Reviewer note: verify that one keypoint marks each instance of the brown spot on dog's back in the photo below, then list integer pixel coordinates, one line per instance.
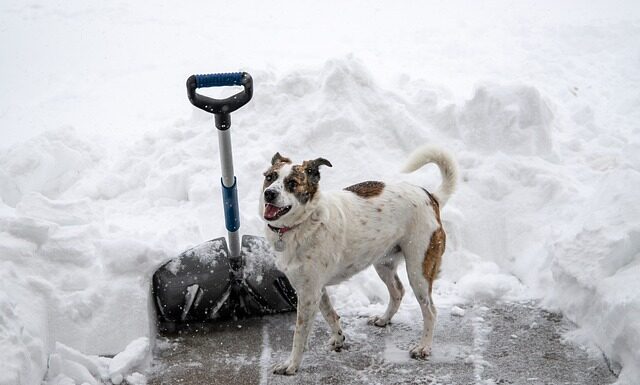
(367, 189)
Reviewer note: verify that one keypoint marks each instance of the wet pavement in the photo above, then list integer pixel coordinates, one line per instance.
(497, 344)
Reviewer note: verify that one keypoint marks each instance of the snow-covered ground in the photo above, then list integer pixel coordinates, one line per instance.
(106, 170)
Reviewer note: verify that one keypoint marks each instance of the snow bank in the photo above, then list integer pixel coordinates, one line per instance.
(84, 242)
(596, 266)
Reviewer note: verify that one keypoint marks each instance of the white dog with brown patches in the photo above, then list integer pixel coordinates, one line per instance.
(325, 238)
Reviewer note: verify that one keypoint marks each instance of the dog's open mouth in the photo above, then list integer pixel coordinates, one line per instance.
(271, 212)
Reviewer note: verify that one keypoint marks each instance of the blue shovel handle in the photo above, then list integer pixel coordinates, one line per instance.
(221, 108)
(219, 80)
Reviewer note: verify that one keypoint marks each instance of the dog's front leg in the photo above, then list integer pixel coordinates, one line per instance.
(308, 298)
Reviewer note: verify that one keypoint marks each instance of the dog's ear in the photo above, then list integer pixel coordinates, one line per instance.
(277, 158)
(312, 168)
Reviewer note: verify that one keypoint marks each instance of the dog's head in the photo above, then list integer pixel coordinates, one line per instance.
(289, 190)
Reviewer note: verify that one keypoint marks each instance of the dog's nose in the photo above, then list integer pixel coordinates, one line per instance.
(270, 195)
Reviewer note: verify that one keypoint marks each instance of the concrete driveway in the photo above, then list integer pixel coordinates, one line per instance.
(512, 343)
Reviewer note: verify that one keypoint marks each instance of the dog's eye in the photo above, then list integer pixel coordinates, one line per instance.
(270, 177)
(292, 184)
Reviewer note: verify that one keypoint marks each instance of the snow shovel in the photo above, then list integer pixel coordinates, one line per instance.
(221, 279)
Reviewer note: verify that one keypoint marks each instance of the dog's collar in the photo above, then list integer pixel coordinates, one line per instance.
(281, 230)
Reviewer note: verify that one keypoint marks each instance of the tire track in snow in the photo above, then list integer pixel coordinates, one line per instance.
(481, 330)
(265, 356)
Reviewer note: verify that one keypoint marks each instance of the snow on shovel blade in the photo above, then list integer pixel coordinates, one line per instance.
(193, 286)
(268, 289)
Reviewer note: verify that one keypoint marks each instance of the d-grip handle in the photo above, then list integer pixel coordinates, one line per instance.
(219, 80)
(220, 107)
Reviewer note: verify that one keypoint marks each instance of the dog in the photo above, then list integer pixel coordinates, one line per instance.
(322, 239)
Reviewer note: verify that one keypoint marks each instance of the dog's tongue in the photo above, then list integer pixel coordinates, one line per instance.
(270, 211)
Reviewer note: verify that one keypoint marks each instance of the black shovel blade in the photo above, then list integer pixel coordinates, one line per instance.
(267, 289)
(204, 284)
(193, 286)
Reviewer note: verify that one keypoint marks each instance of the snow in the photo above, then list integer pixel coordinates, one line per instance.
(136, 379)
(67, 364)
(106, 171)
(132, 357)
(265, 357)
(602, 291)
(457, 311)
(480, 337)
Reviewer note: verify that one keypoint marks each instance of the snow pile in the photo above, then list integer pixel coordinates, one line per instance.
(86, 239)
(596, 266)
(64, 279)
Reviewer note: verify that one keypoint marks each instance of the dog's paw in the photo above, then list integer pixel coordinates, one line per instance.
(285, 368)
(378, 321)
(336, 342)
(420, 352)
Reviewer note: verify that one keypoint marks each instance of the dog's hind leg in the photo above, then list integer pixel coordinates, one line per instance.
(422, 268)
(333, 319)
(387, 272)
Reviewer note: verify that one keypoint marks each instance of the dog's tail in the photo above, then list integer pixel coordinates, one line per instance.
(445, 162)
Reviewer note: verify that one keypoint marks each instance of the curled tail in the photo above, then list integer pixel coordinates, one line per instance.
(445, 162)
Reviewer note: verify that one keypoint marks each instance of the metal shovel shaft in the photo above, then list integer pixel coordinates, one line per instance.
(228, 183)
